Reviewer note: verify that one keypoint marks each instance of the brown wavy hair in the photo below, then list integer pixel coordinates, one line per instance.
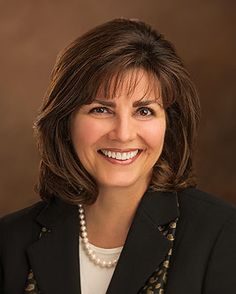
(103, 54)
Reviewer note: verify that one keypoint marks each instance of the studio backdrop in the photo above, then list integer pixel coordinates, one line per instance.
(33, 32)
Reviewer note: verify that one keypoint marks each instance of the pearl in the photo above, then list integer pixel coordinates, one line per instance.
(97, 260)
(103, 263)
(86, 246)
(84, 234)
(93, 256)
(90, 253)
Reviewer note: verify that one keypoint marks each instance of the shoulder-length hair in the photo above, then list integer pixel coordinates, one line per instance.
(103, 54)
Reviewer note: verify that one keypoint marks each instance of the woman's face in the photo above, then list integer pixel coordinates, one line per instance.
(119, 140)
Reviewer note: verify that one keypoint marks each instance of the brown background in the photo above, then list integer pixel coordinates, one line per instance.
(32, 33)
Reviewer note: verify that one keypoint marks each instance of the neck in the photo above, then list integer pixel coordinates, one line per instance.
(109, 218)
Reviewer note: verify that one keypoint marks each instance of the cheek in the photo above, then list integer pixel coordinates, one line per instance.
(86, 132)
(154, 134)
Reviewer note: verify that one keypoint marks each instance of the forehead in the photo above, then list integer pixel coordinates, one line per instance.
(132, 82)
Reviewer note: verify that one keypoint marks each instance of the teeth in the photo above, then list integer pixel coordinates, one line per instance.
(119, 155)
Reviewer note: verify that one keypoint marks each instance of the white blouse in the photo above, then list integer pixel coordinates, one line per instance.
(93, 278)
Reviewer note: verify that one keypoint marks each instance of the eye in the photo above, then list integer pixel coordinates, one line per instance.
(99, 110)
(146, 111)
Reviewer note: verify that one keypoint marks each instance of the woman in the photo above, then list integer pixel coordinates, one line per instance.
(119, 212)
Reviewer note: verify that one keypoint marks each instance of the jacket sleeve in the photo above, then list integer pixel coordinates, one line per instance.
(1, 267)
(1, 277)
(221, 272)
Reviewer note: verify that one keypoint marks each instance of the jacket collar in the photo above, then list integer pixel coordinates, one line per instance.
(55, 263)
(54, 257)
(145, 247)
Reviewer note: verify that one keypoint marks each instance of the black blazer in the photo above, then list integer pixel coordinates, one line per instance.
(203, 259)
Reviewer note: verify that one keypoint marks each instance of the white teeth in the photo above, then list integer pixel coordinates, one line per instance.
(124, 156)
(105, 152)
(119, 155)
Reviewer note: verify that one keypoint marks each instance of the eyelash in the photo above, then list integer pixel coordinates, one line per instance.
(93, 110)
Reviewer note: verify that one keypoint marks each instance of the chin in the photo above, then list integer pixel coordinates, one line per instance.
(121, 183)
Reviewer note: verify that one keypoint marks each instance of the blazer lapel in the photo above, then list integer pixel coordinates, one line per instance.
(54, 257)
(145, 247)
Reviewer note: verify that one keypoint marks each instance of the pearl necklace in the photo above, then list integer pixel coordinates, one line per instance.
(88, 250)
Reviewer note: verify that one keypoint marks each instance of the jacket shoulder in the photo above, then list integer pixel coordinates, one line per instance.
(203, 198)
(22, 216)
(18, 227)
(210, 236)
(210, 208)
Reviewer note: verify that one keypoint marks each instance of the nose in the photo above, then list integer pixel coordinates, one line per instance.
(124, 129)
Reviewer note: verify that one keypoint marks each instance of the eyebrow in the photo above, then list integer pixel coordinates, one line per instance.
(138, 103)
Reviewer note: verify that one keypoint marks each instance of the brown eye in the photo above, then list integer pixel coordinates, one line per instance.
(99, 110)
(145, 111)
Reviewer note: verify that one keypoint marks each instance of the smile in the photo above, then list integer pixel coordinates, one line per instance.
(120, 157)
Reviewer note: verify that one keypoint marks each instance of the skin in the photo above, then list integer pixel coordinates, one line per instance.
(122, 126)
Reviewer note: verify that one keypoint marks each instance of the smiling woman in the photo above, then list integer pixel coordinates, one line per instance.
(125, 133)
(120, 211)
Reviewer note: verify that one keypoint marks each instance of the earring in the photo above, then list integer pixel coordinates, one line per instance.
(80, 189)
